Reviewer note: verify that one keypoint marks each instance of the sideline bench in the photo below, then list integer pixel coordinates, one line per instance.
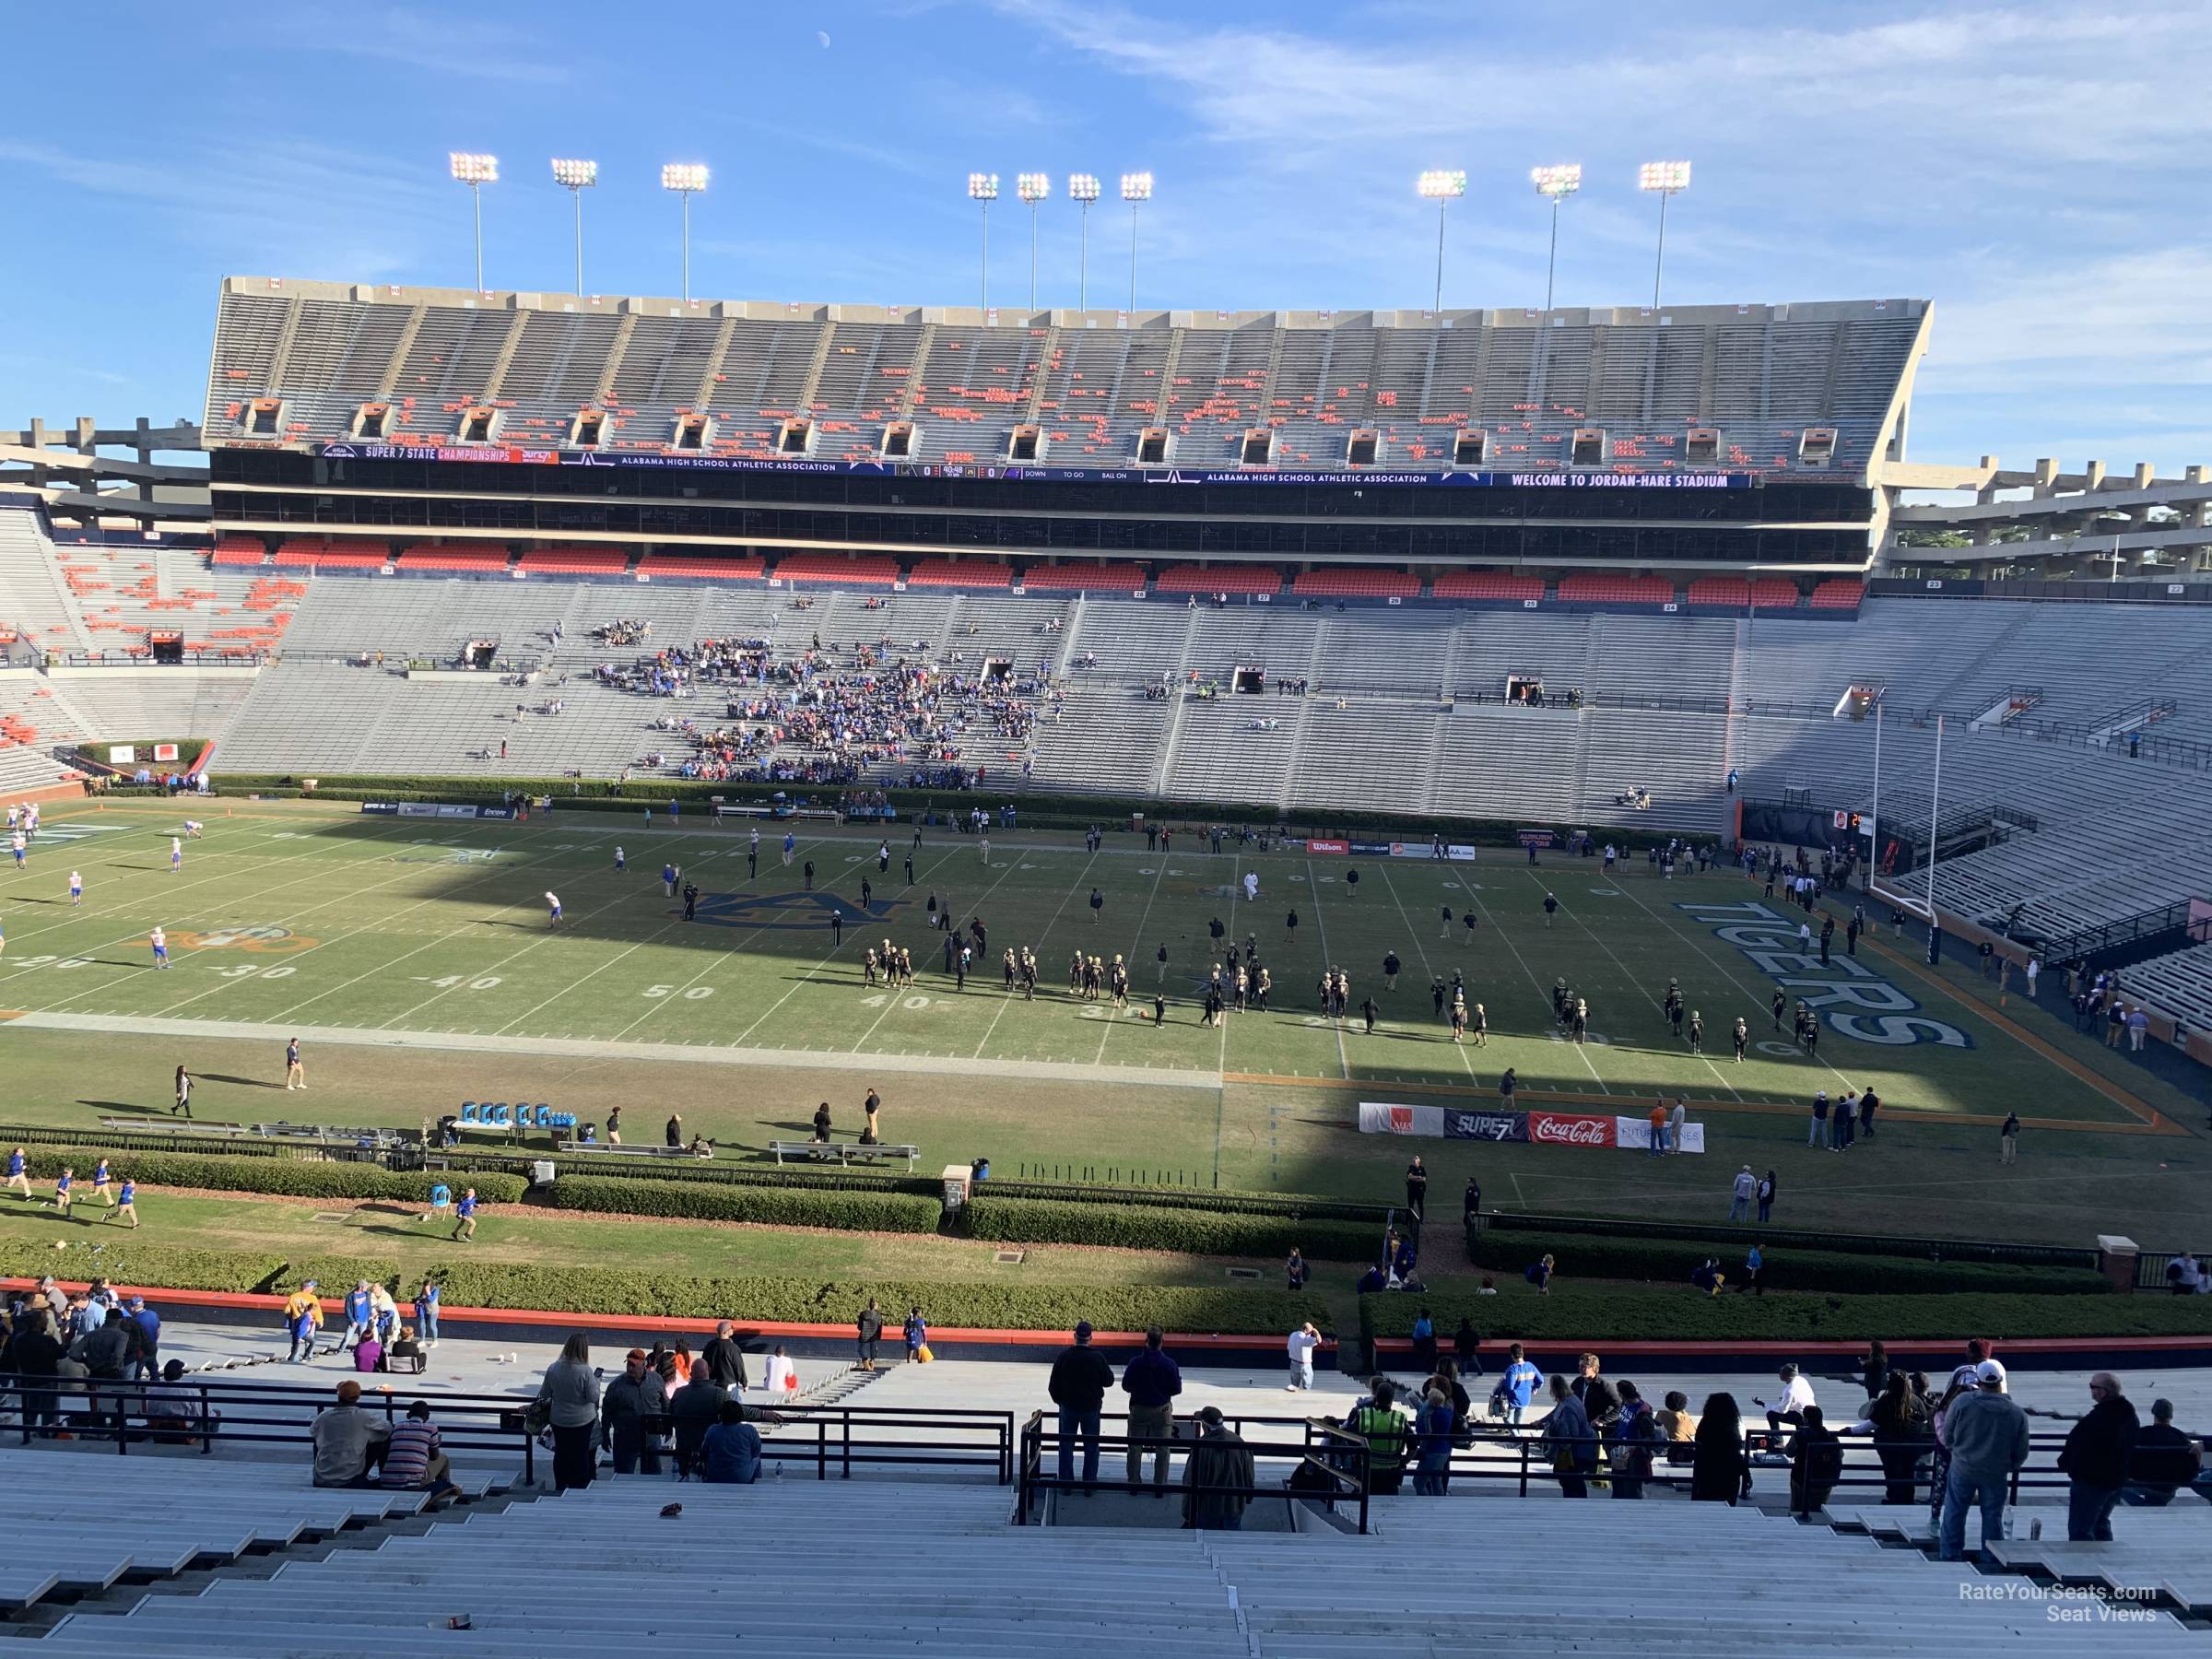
(608, 1149)
(844, 1152)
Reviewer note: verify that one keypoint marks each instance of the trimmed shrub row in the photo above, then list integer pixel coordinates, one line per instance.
(1598, 1316)
(1671, 1261)
(280, 1177)
(647, 1297)
(1189, 1233)
(779, 1206)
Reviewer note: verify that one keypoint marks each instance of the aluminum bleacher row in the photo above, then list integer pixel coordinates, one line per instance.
(576, 1573)
(306, 362)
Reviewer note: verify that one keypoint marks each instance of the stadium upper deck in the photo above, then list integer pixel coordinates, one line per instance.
(1732, 435)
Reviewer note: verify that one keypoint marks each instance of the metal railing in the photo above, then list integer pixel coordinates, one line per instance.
(845, 1435)
(1334, 1463)
(96, 1408)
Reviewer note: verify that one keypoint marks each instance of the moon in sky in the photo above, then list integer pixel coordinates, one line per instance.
(823, 38)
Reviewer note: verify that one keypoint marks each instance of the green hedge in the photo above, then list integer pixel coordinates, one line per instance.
(780, 1207)
(1598, 1316)
(1671, 1261)
(650, 1296)
(282, 1177)
(1188, 1232)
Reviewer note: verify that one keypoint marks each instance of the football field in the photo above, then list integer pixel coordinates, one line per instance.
(415, 958)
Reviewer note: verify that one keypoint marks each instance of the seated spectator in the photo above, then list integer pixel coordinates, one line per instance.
(731, 1450)
(349, 1443)
(783, 1376)
(1679, 1428)
(693, 1411)
(369, 1355)
(1816, 1461)
(173, 1412)
(2165, 1460)
(1218, 1461)
(405, 1353)
(413, 1459)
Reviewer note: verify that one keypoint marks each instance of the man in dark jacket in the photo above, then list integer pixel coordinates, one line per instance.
(1079, 1381)
(1152, 1381)
(723, 1359)
(2165, 1460)
(1816, 1461)
(692, 1410)
(630, 1400)
(34, 1355)
(2095, 1459)
(1218, 1460)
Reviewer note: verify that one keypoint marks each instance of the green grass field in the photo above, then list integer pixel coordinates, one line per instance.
(416, 959)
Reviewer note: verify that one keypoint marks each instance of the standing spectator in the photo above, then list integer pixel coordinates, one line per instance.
(1986, 1435)
(2165, 1460)
(1216, 1476)
(1637, 1435)
(692, 1410)
(722, 1358)
(426, 1310)
(149, 1337)
(2008, 1139)
(1152, 1381)
(868, 1329)
(1424, 1342)
(1078, 1386)
(1378, 1422)
(1300, 1345)
(1466, 1347)
(1416, 1188)
(632, 1415)
(1747, 1185)
(1295, 1271)
(1516, 1385)
(1754, 1271)
(1470, 1201)
(1569, 1441)
(1767, 1187)
(1720, 1472)
(1899, 1420)
(917, 1332)
(569, 1398)
(349, 1443)
(302, 1319)
(2095, 1461)
(1432, 1428)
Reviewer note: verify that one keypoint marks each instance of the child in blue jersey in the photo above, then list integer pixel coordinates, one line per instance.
(76, 888)
(466, 1213)
(552, 910)
(790, 845)
(359, 1319)
(15, 846)
(61, 1183)
(18, 1173)
(127, 1203)
(1518, 1385)
(101, 1180)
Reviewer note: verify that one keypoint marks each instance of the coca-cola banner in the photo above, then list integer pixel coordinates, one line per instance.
(1486, 1125)
(1571, 1129)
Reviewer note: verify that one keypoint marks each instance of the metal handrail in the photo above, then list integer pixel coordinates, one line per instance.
(1341, 1459)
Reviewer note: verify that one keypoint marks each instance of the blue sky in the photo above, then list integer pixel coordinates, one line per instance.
(2041, 170)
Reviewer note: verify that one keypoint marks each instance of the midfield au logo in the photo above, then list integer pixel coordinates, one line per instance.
(789, 911)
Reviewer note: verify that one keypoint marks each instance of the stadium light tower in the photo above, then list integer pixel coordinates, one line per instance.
(475, 171)
(1444, 189)
(576, 177)
(983, 188)
(686, 179)
(1663, 179)
(1032, 188)
(1556, 184)
(1136, 187)
(1083, 190)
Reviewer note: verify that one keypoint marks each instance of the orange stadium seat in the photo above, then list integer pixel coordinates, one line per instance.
(870, 570)
(1488, 584)
(1617, 590)
(1220, 578)
(1350, 583)
(1840, 593)
(452, 556)
(703, 566)
(961, 573)
(575, 561)
(1075, 578)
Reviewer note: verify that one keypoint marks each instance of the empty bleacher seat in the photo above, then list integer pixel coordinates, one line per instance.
(1349, 581)
(1093, 578)
(1838, 593)
(960, 573)
(703, 567)
(1487, 584)
(1616, 590)
(575, 561)
(867, 570)
(452, 556)
(1220, 578)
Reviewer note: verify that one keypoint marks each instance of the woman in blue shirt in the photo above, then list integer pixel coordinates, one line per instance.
(731, 1450)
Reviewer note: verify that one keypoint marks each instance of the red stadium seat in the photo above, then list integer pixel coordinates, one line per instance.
(1358, 585)
(871, 570)
(1075, 577)
(1652, 591)
(1488, 584)
(703, 567)
(1841, 593)
(1720, 593)
(575, 561)
(1218, 579)
(236, 549)
(960, 573)
(452, 556)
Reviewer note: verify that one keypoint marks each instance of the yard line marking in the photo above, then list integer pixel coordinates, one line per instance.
(1426, 967)
(1575, 917)
(1344, 1062)
(1534, 984)
(1221, 1060)
(1129, 964)
(1081, 876)
(1698, 950)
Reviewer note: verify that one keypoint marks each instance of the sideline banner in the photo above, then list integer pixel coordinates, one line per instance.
(432, 809)
(1547, 1128)
(1634, 1134)
(1380, 1117)
(1486, 1125)
(1319, 845)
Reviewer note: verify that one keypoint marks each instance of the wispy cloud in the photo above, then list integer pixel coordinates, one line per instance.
(445, 43)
